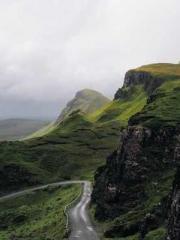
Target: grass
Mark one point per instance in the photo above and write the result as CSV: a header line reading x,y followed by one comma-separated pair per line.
x,y
75,148
158,234
166,70
122,109
87,101
164,109
38,215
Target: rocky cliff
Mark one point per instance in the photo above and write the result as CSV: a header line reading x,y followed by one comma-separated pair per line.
x,y
132,78
174,212
143,160
132,190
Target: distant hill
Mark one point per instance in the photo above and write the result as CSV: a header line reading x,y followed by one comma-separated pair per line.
x,y
87,101
14,129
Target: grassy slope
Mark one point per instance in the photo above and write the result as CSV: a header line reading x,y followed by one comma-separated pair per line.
x,y
121,110
164,109
38,215
73,149
86,100
166,70
81,143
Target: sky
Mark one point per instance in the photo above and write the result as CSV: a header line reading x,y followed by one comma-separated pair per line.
x,y
50,49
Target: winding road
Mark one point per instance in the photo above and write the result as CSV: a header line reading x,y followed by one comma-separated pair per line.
x,y
79,220
81,226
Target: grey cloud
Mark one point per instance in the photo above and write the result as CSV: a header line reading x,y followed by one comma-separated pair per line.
x,y
51,49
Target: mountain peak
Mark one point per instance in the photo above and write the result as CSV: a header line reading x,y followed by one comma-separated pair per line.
x,y
86,101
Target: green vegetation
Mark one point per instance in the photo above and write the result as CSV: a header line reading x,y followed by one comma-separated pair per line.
x,y
38,215
87,101
70,149
165,70
158,234
163,108
121,110
76,145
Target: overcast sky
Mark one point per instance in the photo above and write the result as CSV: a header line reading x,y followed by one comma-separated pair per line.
x,y
49,49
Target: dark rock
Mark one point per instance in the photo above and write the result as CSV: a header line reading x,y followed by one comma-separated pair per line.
x,y
133,78
142,154
174,215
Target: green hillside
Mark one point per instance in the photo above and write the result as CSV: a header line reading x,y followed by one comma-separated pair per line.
x,y
132,190
167,70
163,107
87,101
79,142
72,148
37,215
122,109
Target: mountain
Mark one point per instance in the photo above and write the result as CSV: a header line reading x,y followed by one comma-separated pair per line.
x,y
14,129
136,190
72,148
87,101
131,193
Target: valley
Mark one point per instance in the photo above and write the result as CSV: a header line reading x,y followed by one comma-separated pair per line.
x,y
16,129
128,148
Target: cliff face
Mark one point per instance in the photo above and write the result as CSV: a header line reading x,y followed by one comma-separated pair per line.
x,y
134,185
174,213
132,78
143,153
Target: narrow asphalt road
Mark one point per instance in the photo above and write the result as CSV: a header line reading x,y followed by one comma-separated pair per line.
x,y
23,192
80,224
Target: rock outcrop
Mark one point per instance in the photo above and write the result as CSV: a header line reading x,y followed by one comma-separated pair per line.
x,y
142,154
174,212
174,216
132,190
132,78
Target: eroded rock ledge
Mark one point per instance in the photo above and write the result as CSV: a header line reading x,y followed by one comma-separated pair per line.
x,y
143,155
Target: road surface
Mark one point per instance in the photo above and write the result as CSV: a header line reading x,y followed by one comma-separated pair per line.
x,y
80,224
23,192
